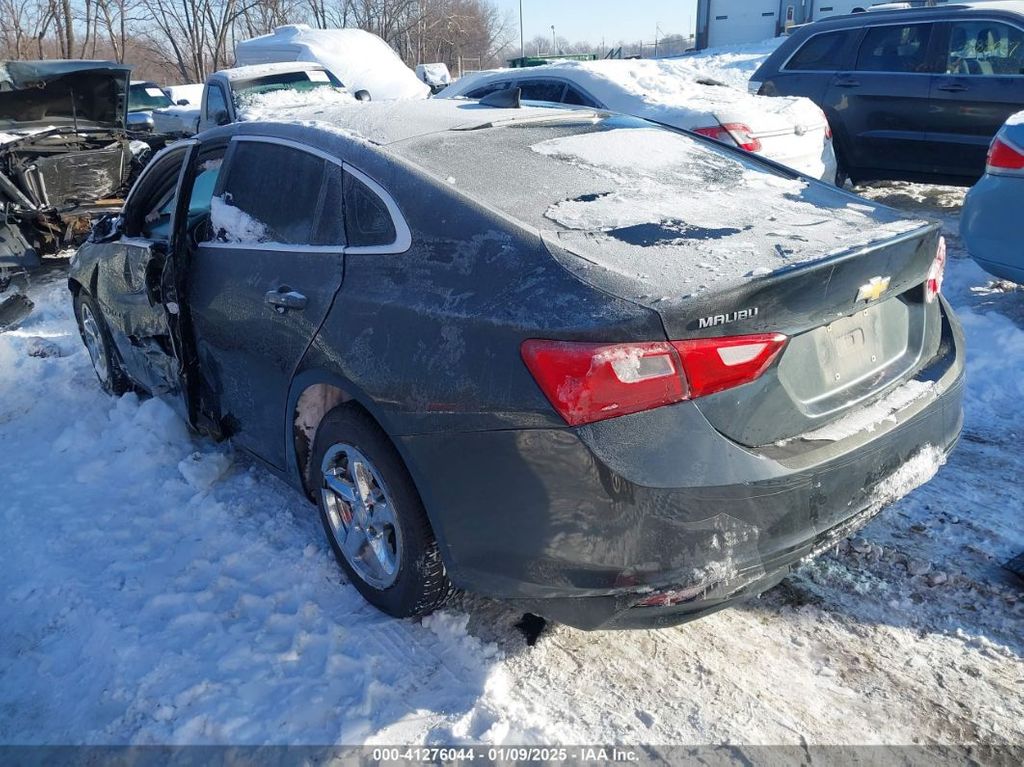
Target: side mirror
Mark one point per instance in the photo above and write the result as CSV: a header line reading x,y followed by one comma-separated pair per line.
x,y
220,117
183,102
362,95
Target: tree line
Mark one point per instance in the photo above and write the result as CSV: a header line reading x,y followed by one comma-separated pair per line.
x,y
181,41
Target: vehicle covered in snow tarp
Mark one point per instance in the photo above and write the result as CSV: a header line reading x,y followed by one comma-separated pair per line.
x,y
64,154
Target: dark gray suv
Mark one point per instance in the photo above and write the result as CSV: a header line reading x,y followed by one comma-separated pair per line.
x,y
914,94
621,374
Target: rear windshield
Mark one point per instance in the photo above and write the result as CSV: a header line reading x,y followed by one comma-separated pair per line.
x,y
291,81
584,174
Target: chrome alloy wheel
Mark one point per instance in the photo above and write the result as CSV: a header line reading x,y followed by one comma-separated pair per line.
x,y
93,338
361,515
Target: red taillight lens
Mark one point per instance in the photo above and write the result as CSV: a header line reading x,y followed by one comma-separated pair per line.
x,y
593,382
1003,156
733,133
715,364
933,284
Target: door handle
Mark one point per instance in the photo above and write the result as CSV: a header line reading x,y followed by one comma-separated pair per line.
x,y
953,87
284,298
847,82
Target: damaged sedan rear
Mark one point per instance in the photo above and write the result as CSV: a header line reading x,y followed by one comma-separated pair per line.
x,y
64,154
621,375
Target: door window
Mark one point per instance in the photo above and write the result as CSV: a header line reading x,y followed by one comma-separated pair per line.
x,y
144,212
985,48
487,90
278,194
895,48
578,98
821,52
215,102
542,90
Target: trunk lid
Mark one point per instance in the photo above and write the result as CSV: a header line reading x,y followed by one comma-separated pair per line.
x,y
756,253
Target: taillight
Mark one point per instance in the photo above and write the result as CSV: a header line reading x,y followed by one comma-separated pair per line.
x,y
715,364
588,382
1004,156
933,284
733,133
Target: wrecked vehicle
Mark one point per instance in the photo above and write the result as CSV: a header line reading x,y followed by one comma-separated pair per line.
x,y
64,155
619,374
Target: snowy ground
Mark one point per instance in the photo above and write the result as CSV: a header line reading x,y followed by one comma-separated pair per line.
x,y
154,588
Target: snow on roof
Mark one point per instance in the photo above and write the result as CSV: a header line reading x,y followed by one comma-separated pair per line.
x,y
268,106
362,61
393,121
261,70
671,91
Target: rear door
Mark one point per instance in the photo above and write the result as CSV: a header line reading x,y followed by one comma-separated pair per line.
x,y
981,84
262,282
882,104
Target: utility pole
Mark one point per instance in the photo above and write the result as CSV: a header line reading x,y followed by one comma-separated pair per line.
x,y
554,47
522,35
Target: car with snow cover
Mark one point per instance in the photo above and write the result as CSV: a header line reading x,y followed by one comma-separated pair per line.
x,y
64,155
791,131
617,374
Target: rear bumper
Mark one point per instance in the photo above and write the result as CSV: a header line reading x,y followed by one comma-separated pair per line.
x,y
583,525
989,226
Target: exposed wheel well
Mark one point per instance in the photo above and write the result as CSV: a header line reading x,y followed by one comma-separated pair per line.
x,y
315,402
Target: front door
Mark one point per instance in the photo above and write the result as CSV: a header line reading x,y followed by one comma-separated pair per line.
x,y
262,281
881,106
981,85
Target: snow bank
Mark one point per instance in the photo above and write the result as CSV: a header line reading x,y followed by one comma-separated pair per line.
x,y
235,225
362,61
265,106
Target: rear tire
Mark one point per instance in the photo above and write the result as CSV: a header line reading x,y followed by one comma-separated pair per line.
x,y
100,345
373,516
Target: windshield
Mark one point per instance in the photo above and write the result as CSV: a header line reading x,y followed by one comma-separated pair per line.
x,y
301,82
144,96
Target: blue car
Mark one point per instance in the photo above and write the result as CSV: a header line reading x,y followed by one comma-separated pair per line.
x,y
994,207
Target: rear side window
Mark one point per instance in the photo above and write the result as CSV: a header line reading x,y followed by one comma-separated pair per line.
x,y
985,48
895,48
367,219
821,52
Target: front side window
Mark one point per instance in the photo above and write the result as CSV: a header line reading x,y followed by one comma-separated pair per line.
x,y
487,90
821,53
542,90
895,48
985,48
144,212
578,98
300,206
215,102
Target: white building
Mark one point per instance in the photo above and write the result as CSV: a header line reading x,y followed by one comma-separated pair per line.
x,y
733,22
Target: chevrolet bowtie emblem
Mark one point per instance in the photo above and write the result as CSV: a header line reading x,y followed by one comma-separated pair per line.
x,y
874,290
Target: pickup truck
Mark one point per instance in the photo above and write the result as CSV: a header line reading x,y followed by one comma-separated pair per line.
x,y
227,94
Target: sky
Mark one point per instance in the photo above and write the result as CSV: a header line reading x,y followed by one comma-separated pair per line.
x,y
594,20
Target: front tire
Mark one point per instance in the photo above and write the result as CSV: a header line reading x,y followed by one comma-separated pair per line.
x,y
100,345
374,518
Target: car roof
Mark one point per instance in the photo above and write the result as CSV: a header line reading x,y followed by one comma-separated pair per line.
x,y
885,16
388,122
260,70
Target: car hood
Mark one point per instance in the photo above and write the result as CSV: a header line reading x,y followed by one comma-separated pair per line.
x,y
37,94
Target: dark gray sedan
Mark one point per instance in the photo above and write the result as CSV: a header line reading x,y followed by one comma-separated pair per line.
x,y
619,374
